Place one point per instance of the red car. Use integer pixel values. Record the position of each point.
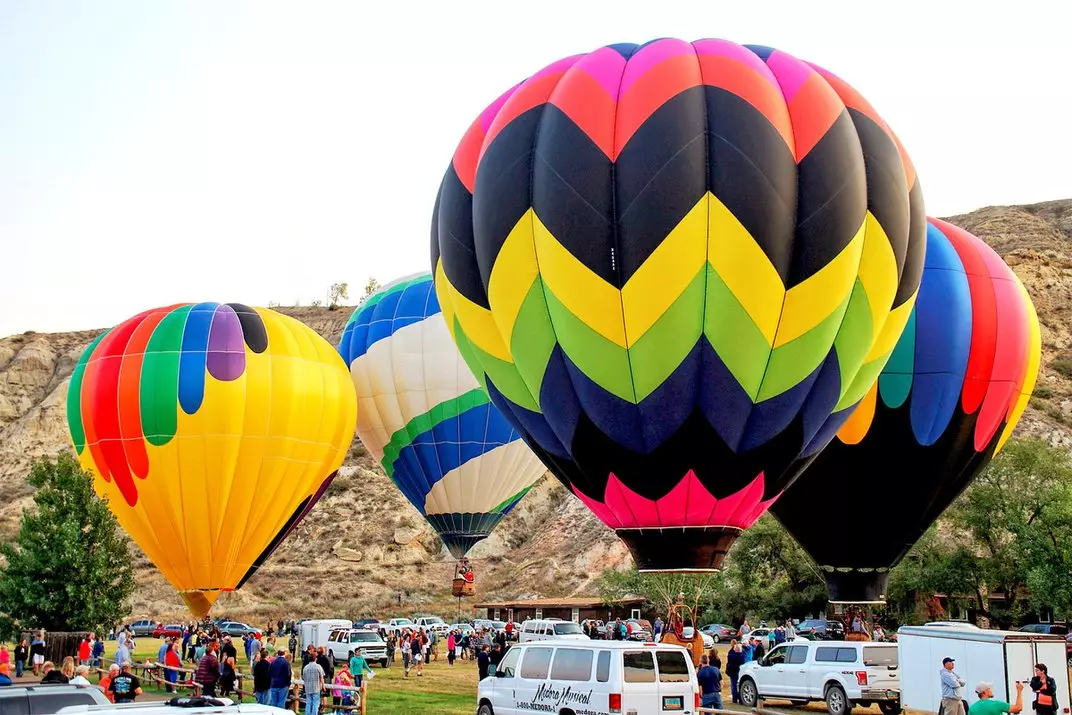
(172, 631)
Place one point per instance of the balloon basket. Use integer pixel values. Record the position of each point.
(460, 588)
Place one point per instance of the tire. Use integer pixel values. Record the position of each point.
(715, 638)
(837, 703)
(748, 692)
(892, 707)
(485, 709)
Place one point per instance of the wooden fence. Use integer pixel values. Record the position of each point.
(58, 645)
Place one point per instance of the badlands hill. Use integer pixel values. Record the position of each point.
(365, 550)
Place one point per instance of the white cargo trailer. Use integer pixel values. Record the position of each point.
(315, 632)
(999, 657)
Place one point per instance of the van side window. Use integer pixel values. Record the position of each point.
(672, 666)
(17, 705)
(797, 654)
(536, 663)
(572, 664)
(846, 655)
(508, 664)
(639, 666)
(603, 666)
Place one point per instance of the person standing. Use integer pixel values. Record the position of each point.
(657, 627)
(1045, 689)
(22, 654)
(208, 670)
(483, 661)
(710, 679)
(172, 664)
(343, 679)
(280, 676)
(106, 682)
(37, 653)
(262, 678)
(987, 705)
(734, 661)
(85, 649)
(293, 643)
(313, 680)
(358, 666)
(97, 653)
(952, 689)
(450, 648)
(125, 687)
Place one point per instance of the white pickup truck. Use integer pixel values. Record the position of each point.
(343, 642)
(434, 623)
(397, 625)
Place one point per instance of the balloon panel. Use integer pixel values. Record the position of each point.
(427, 420)
(210, 429)
(676, 267)
(946, 401)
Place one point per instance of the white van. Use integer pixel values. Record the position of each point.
(841, 673)
(571, 677)
(540, 630)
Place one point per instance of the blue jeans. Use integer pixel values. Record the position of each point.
(712, 700)
(278, 697)
(312, 703)
(264, 697)
(18, 668)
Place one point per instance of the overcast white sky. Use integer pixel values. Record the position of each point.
(155, 152)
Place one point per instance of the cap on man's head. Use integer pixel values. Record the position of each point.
(983, 687)
(947, 660)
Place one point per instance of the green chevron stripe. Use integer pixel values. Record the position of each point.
(794, 361)
(855, 337)
(424, 422)
(507, 502)
(377, 297)
(734, 336)
(533, 338)
(74, 396)
(505, 375)
(669, 340)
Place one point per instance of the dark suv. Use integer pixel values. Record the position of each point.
(821, 629)
(47, 699)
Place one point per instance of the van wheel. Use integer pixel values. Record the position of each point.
(890, 708)
(836, 702)
(485, 709)
(749, 694)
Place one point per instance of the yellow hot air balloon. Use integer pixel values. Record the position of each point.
(211, 430)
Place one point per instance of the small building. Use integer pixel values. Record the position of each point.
(568, 609)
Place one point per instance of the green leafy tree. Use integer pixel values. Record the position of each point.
(70, 568)
(371, 287)
(337, 292)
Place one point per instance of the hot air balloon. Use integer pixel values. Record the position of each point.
(948, 399)
(426, 419)
(211, 430)
(676, 267)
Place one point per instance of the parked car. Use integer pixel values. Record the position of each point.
(719, 632)
(639, 629)
(343, 642)
(545, 629)
(368, 624)
(433, 623)
(46, 699)
(173, 630)
(144, 627)
(1068, 649)
(626, 678)
(464, 628)
(843, 674)
(497, 626)
(398, 625)
(237, 629)
(600, 626)
(821, 629)
(1057, 629)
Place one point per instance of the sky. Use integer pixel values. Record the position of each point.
(154, 152)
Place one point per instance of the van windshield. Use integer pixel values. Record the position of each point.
(874, 655)
(566, 629)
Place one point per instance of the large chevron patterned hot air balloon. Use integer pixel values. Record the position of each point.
(212, 430)
(676, 267)
(426, 419)
(948, 399)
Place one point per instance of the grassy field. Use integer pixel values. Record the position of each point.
(442, 689)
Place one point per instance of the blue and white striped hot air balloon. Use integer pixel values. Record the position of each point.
(424, 416)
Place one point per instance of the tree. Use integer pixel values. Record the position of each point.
(337, 292)
(69, 568)
(371, 287)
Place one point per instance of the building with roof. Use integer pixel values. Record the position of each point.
(568, 609)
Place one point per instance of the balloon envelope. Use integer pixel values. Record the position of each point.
(211, 430)
(427, 420)
(951, 394)
(676, 267)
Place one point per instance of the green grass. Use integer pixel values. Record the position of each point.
(442, 689)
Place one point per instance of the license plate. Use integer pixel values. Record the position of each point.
(675, 703)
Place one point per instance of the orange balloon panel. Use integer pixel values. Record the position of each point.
(211, 430)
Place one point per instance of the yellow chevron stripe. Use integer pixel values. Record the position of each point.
(512, 275)
(666, 273)
(744, 268)
(443, 290)
(878, 270)
(1034, 356)
(891, 331)
(478, 321)
(595, 302)
(809, 303)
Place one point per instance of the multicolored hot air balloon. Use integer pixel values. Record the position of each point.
(676, 267)
(946, 402)
(211, 430)
(426, 419)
